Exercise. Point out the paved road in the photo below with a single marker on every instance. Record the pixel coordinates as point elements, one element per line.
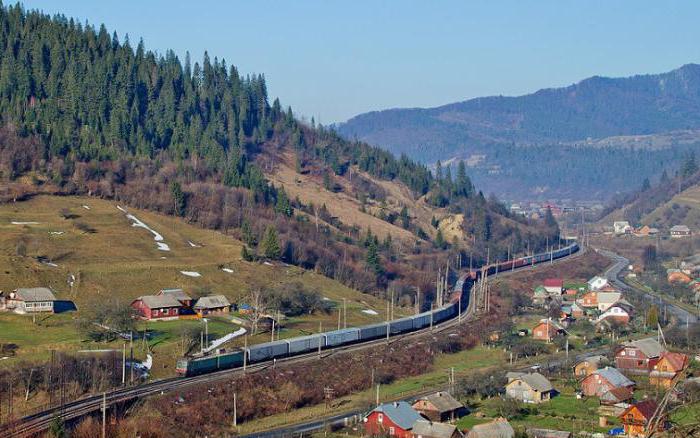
<point>614,274</point>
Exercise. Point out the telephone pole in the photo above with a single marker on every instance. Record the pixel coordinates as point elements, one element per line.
<point>104,415</point>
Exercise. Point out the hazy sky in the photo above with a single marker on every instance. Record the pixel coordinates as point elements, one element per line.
<point>333,59</point>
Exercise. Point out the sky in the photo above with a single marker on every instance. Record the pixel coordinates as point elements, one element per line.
<point>332,60</point>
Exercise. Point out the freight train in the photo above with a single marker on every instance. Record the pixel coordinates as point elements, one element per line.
<point>327,340</point>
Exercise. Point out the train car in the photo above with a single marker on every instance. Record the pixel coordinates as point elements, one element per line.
<point>342,336</point>
<point>422,320</point>
<point>444,313</point>
<point>373,331</point>
<point>267,351</point>
<point>202,365</point>
<point>308,343</point>
<point>401,325</point>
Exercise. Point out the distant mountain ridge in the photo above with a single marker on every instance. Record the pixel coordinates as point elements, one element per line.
<point>596,111</point>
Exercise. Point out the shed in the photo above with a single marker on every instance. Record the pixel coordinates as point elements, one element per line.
<point>440,406</point>
<point>429,429</point>
<point>533,432</point>
<point>499,428</point>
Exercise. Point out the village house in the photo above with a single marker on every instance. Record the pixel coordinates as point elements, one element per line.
<point>589,299</point>
<point>212,305</point>
<point>636,419</point>
<point>589,364</point>
<point>677,276</point>
<point>680,231</point>
<point>533,432</point>
<point>155,307</point>
<point>179,295</point>
<point>597,283</point>
<point>393,419</point>
<point>430,429</point>
<point>440,406</point>
<point>554,285</point>
<point>529,387</point>
<point>31,300</point>
<point>603,380</point>
<point>499,428</point>
<point>668,369</point>
<point>638,356</point>
<point>607,299</point>
<point>622,227</point>
<point>616,396</point>
<point>547,330</point>
<point>619,313</point>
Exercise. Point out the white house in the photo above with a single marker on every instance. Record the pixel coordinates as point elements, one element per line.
<point>679,231</point>
<point>622,227</point>
<point>607,299</point>
<point>597,283</point>
<point>30,300</point>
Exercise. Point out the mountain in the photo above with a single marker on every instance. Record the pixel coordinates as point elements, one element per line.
<point>598,120</point>
<point>83,112</point>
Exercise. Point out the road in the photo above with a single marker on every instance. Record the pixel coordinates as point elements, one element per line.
<point>614,274</point>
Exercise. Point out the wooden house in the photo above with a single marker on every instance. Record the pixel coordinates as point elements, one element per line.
<point>636,419</point>
<point>179,295</point>
<point>430,429</point>
<point>603,380</point>
<point>588,365</point>
<point>391,419</point>
<point>499,428</point>
<point>31,300</point>
<point>668,369</point>
<point>529,387</point>
<point>212,305</point>
<point>157,307</point>
<point>440,406</point>
<point>547,330</point>
<point>638,356</point>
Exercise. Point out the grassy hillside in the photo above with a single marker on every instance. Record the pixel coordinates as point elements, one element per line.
<point>682,209</point>
<point>115,262</point>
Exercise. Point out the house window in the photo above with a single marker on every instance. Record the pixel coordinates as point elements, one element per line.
<point>632,353</point>
<point>380,418</point>
<point>392,431</point>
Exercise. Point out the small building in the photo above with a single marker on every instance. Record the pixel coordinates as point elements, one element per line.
<point>622,227</point>
<point>679,231</point>
<point>603,380</point>
<point>678,276</point>
<point>440,406</point>
<point>597,283</point>
<point>31,300</point>
<point>638,356</point>
<point>588,365</point>
<point>589,299</point>
<point>607,299</point>
<point>620,313</point>
<point>393,419</point>
<point>179,295</point>
<point>547,330</point>
<point>616,396</point>
<point>668,369</point>
<point>576,311</point>
<point>212,305</point>
<point>554,285</point>
<point>499,428</point>
<point>529,387</point>
<point>636,418</point>
<point>430,429</point>
<point>533,432</point>
<point>157,307</point>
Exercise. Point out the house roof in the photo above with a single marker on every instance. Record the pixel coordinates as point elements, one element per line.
<point>553,282</point>
<point>595,359</point>
<point>499,428</point>
<point>614,376</point>
<point>677,360</point>
<point>176,293</point>
<point>649,346</point>
<point>535,381</point>
<point>533,432</point>
<point>401,413</point>
<point>443,401</point>
<point>212,302</point>
<point>608,297</point>
<point>646,408</point>
<point>617,395</point>
<point>159,301</point>
<point>680,229</point>
<point>32,294</point>
<point>431,429</point>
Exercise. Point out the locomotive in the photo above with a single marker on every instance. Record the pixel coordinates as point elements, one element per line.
<point>306,344</point>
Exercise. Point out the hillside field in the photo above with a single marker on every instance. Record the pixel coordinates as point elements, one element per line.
<point>114,262</point>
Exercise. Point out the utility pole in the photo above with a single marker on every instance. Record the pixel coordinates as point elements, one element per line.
<point>418,300</point>
<point>124,364</point>
<point>345,313</point>
<point>431,316</point>
<point>340,312</point>
<point>104,415</point>
<point>320,330</point>
<point>273,331</point>
<point>235,416</point>
<point>245,351</point>
<point>377,397</point>
<point>131,357</point>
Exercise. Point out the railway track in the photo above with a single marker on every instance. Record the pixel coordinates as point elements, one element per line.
<point>36,423</point>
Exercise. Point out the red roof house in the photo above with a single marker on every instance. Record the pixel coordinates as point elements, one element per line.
<point>554,285</point>
<point>638,356</point>
<point>391,419</point>
<point>668,369</point>
<point>636,418</point>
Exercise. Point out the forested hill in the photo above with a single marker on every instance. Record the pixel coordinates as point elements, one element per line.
<point>85,112</point>
<point>583,121</point>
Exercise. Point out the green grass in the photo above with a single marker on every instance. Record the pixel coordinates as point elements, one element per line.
<point>118,262</point>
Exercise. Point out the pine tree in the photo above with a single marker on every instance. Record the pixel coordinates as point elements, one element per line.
<point>179,198</point>
<point>373,260</point>
<point>270,244</point>
<point>440,240</point>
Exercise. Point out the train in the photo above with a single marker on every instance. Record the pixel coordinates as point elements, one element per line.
<point>267,351</point>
